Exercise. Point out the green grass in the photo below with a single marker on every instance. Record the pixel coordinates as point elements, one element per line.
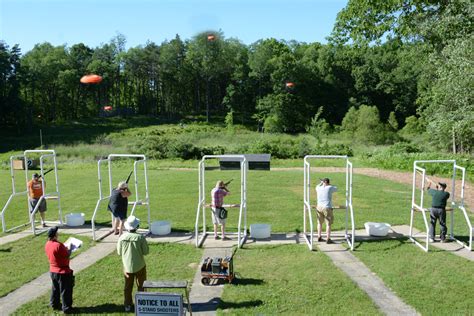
<point>434,283</point>
<point>291,280</point>
<point>274,197</point>
<point>99,288</point>
<point>29,254</point>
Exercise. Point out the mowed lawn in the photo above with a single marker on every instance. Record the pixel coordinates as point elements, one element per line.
<point>99,288</point>
<point>434,283</point>
<point>290,280</point>
<point>24,260</point>
<point>274,197</point>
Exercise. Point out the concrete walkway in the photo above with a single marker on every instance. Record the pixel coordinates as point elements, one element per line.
<point>386,300</point>
<point>205,299</point>
<point>14,237</point>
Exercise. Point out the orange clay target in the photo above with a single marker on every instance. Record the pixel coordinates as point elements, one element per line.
<point>91,79</point>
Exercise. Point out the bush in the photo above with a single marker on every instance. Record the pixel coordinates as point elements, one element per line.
<point>288,148</point>
<point>334,149</point>
<point>365,126</point>
<point>319,126</point>
<point>272,125</point>
<point>387,159</point>
<point>403,147</point>
<point>413,126</point>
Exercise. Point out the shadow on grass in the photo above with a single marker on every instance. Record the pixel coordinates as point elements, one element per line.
<point>178,230</point>
<point>216,303</point>
<point>99,309</point>
<point>400,242</point>
<point>246,304</point>
<point>464,239</point>
<point>243,281</point>
<point>6,250</point>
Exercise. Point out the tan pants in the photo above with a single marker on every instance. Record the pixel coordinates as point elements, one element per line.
<point>139,277</point>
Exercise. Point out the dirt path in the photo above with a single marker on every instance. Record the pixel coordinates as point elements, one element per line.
<point>400,177</point>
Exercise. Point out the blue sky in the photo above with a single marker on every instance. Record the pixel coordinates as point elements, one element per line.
<point>92,22</point>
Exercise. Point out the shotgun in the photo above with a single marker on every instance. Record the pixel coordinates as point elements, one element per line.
<point>128,179</point>
<point>45,173</point>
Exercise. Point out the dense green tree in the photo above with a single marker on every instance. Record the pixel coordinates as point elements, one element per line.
<point>177,82</point>
<point>450,102</point>
<point>208,55</point>
<point>12,110</point>
<point>44,64</point>
<point>433,21</point>
<point>410,60</point>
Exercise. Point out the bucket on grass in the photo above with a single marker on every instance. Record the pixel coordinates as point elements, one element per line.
<point>75,219</point>
<point>260,231</point>
<point>377,229</point>
<point>161,228</point>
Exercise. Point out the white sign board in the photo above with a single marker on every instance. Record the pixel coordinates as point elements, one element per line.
<point>155,303</point>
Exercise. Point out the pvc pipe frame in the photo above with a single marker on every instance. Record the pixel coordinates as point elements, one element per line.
<point>31,216</point>
<point>419,206</point>
<point>350,238</point>
<point>201,207</point>
<point>137,201</point>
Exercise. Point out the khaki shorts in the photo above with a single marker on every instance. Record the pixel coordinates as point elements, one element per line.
<point>325,214</point>
<point>216,220</point>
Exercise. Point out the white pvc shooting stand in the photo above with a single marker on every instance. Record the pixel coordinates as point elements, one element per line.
<point>201,208</point>
<point>418,206</point>
<point>139,159</point>
<point>44,154</point>
<point>350,237</point>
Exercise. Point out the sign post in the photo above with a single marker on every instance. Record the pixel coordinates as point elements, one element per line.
<point>155,303</point>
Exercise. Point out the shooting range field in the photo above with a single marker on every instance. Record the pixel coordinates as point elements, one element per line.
<point>270,279</point>
<point>273,197</point>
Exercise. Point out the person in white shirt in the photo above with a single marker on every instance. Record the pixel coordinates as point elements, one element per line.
<point>324,208</point>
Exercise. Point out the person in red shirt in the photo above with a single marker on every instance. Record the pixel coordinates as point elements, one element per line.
<point>35,192</point>
<point>61,274</point>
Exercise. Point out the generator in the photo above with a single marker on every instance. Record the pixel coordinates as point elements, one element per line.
<point>217,268</point>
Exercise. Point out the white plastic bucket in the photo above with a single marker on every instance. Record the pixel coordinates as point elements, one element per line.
<point>161,228</point>
<point>377,229</point>
<point>260,231</point>
<point>75,219</point>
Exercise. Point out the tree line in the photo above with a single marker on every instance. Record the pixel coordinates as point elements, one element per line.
<point>408,63</point>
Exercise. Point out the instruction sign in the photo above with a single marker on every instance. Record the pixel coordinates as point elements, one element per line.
<point>155,303</point>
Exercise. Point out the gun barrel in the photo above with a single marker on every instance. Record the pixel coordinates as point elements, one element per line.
<point>128,179</point>
<point>48,171</point>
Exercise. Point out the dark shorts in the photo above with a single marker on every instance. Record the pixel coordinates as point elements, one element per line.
<point>42,207</point>
<point>122,215</point>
